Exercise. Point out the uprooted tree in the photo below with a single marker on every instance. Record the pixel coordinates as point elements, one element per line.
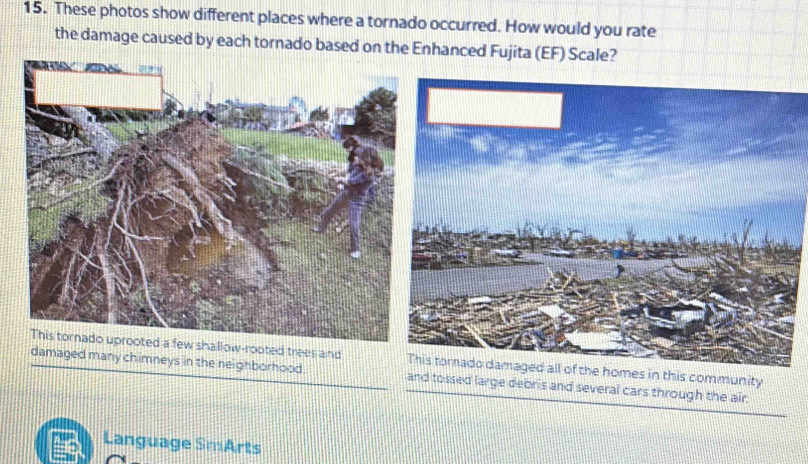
<point>162,188</point>
<point>159,201</point>
<point>162,191</point>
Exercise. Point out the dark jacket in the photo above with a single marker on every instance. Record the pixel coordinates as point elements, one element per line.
<point>358,183</point>
<point>356,175</point>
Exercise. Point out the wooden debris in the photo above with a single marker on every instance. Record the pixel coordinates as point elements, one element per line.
<point>753,321</point>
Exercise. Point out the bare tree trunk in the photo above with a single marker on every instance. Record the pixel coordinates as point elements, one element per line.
<point>99,137</point>
<point>743,242</point>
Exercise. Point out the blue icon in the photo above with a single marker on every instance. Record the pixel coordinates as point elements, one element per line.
<point>63,441</point>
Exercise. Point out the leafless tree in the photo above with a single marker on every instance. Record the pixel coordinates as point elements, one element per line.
<point>631,236</point>
<point>743,242</point>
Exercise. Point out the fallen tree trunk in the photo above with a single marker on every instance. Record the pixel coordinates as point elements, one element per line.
<point>99,137</point>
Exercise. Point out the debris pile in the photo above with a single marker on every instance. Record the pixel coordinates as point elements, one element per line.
<point>286,187</point>
<point>436,248</point>
<point>720,313</point>
<point>318,129</point>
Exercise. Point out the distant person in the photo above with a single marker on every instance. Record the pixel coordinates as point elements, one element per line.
<point>209,114</point>
<point>364,165</point>
<point>620,270</point>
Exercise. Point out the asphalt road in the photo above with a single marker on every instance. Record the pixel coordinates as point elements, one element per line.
<point>477,281</point>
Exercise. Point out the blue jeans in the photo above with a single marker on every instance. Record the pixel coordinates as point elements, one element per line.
<point>353,198</point>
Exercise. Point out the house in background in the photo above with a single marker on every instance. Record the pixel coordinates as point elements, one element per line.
<point>256,116</point>
<point>263,117</point>
<point>344,120</point>
<point>281,117</point>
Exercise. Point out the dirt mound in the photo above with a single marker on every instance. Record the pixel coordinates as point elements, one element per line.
<point>167,191</point>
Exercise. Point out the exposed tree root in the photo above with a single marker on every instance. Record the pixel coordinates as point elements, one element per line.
<point>159,187</point>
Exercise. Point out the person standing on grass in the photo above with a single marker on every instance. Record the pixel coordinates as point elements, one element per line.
<point>363,165</point>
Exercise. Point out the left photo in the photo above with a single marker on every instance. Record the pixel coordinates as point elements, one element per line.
<point>261,207</point>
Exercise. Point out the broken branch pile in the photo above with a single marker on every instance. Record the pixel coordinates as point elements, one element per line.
<point>719,313</point>
<point>287,187</point>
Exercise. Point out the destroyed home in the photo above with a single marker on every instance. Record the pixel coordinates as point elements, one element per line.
<point>718,313</point>
<point>717,302</point>
<point>632,236</point>
<point>485,248</point>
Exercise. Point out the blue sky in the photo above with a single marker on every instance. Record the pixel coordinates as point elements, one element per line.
<point>663,161</point>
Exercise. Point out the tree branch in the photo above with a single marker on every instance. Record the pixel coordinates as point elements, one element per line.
<point>51,116</point>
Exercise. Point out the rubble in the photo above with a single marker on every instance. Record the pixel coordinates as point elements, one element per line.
<point>480,300</point>
<point>319,129</point>
<point>554,311</point>
<point>720,313</point>
<point>437,248</point>
<point>596,341</point>
<point>686,316</point>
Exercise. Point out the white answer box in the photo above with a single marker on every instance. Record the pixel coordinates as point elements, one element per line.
<point>494,108</point>
<point>100,90</point>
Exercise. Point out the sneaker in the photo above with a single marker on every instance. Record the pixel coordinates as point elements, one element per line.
<point>355,254</point>
<point>316,229</point>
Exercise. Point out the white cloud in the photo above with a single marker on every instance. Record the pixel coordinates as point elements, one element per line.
<point>603,147</point>
<point>721,122</point>
<point>577,145</point>
<point>736,151</point>
<point>482,143</point>
<point>442,132</point>
<point>643,139</point>
<point>536,147</point>
<point>516,153</point>
<point>603,195</point>
<point>661,181</point>
<point>503,149</point>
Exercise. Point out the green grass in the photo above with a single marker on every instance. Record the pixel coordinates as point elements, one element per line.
<point>127,131</point>
<point>294,146</point>
<point>326,292</point>
<point>210,317</point>
<point>276,143</point>
<point>43,225</point>
<point>318,290</point>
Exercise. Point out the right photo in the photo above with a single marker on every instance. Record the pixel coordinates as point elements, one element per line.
<point>625,221</point>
